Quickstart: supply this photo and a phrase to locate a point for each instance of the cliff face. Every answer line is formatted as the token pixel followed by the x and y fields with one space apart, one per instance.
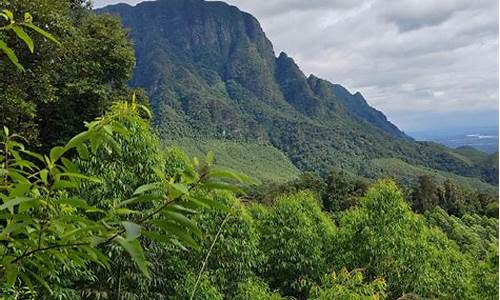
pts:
pixel 210 42
pixel 211 72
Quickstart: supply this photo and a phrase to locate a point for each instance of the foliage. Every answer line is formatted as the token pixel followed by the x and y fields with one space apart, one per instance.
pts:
pixel 227 84
pixel 42 219
pixel 296 236
pixel 18 28
pixel 261 162
pixel 384 236
pixel 255 289
pixel 337 192
pixel 236 254
pixel 63 84
pixel 455 200
pixel 113 215
pixel 206 289
pixel 141 157
pixel 348 285
pixel 342 191
pixel 474 234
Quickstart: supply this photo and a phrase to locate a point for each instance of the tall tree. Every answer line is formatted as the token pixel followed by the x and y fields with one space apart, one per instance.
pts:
pixel 70 82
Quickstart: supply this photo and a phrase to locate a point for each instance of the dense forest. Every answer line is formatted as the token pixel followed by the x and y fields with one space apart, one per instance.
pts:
pixel 110 191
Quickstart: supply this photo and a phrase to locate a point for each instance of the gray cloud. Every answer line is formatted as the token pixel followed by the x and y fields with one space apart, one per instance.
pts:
pixel 424 63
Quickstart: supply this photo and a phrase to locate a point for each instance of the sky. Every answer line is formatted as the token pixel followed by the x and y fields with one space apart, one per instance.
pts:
pixel 426 64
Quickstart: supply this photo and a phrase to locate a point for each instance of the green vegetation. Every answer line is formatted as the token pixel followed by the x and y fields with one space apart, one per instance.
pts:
pixel 65 83
pixel 228 84
pixel 114 211
pixel 262 162
pixel 408 174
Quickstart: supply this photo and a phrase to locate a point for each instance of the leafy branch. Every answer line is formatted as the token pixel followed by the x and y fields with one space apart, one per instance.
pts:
pixel 40 216
pixel 18 28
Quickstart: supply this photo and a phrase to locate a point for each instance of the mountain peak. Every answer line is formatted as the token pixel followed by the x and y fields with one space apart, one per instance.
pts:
pixel 209 69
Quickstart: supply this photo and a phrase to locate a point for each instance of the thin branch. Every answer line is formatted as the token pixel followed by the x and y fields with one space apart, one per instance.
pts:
pixel 208 253
pixel 48 248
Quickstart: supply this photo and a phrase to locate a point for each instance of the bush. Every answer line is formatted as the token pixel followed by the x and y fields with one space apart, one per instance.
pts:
pixel 295 236
pixel 348 285
pixel 205 290
pixel 236 254
pixel 255 289
pixel 384 236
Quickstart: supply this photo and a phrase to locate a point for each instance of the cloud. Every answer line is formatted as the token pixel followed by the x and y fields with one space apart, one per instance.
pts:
pixel 424 63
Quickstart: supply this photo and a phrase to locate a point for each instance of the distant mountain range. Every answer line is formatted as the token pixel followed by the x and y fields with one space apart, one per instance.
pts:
pixel 212 74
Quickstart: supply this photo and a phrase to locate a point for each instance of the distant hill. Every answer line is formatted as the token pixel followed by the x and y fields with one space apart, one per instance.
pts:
pixel 212 74
pixel 483 138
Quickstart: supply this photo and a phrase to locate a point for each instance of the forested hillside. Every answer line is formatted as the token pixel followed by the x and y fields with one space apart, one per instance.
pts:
pixel 210 71
pixel 106 194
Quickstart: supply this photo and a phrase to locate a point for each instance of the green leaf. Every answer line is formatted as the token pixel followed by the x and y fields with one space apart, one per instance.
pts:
pixel 162 238
pixel 19 189
pixel 133 230
pixel 42 32
pixel 134 248
pixel 16 201
pixel 56 153
pixel 177 231
pixel 69 165
pixel 27 281
pixel 12 271
pixel 183 221
pixel 65 184
pixel 44 175
pixel 77 140
pixel 210 158
pixel 178 189
pixel 41 281
pixel 33 154
pixel 79 176
pixel 230 174
pixel 146 188
pixel 83 151
pixel 24 36
pixel 222 186
pixel 139 199
pixel 11 55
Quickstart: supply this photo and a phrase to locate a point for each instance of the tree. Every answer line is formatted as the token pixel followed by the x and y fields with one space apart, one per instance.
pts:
pixel 342 191
pixel 386 238
pixel 348 285
pixel 67 84
pixel 296 235
pixel 425 194
pixel 42 218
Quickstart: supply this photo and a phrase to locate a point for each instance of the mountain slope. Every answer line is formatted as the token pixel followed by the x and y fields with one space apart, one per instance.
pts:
pixel 211 73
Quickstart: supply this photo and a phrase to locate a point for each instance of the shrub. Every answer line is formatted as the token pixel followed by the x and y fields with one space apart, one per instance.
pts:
pixel 255 289
pixel 295 236
pixel 236 254
pixel 348 285
pixel 384 236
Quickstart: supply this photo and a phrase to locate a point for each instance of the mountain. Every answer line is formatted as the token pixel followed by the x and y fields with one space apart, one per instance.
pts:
pixel 211 73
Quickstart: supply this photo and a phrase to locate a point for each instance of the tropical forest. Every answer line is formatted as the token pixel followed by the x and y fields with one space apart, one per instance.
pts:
pixel 165 151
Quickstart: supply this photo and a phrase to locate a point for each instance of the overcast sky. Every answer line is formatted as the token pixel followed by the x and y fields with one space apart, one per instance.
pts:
pixel 427 64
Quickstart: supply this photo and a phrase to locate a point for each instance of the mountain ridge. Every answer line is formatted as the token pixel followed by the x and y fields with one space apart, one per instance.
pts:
pixel 210 71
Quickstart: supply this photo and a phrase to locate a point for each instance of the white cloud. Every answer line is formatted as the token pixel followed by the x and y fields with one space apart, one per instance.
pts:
pixel 413 59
